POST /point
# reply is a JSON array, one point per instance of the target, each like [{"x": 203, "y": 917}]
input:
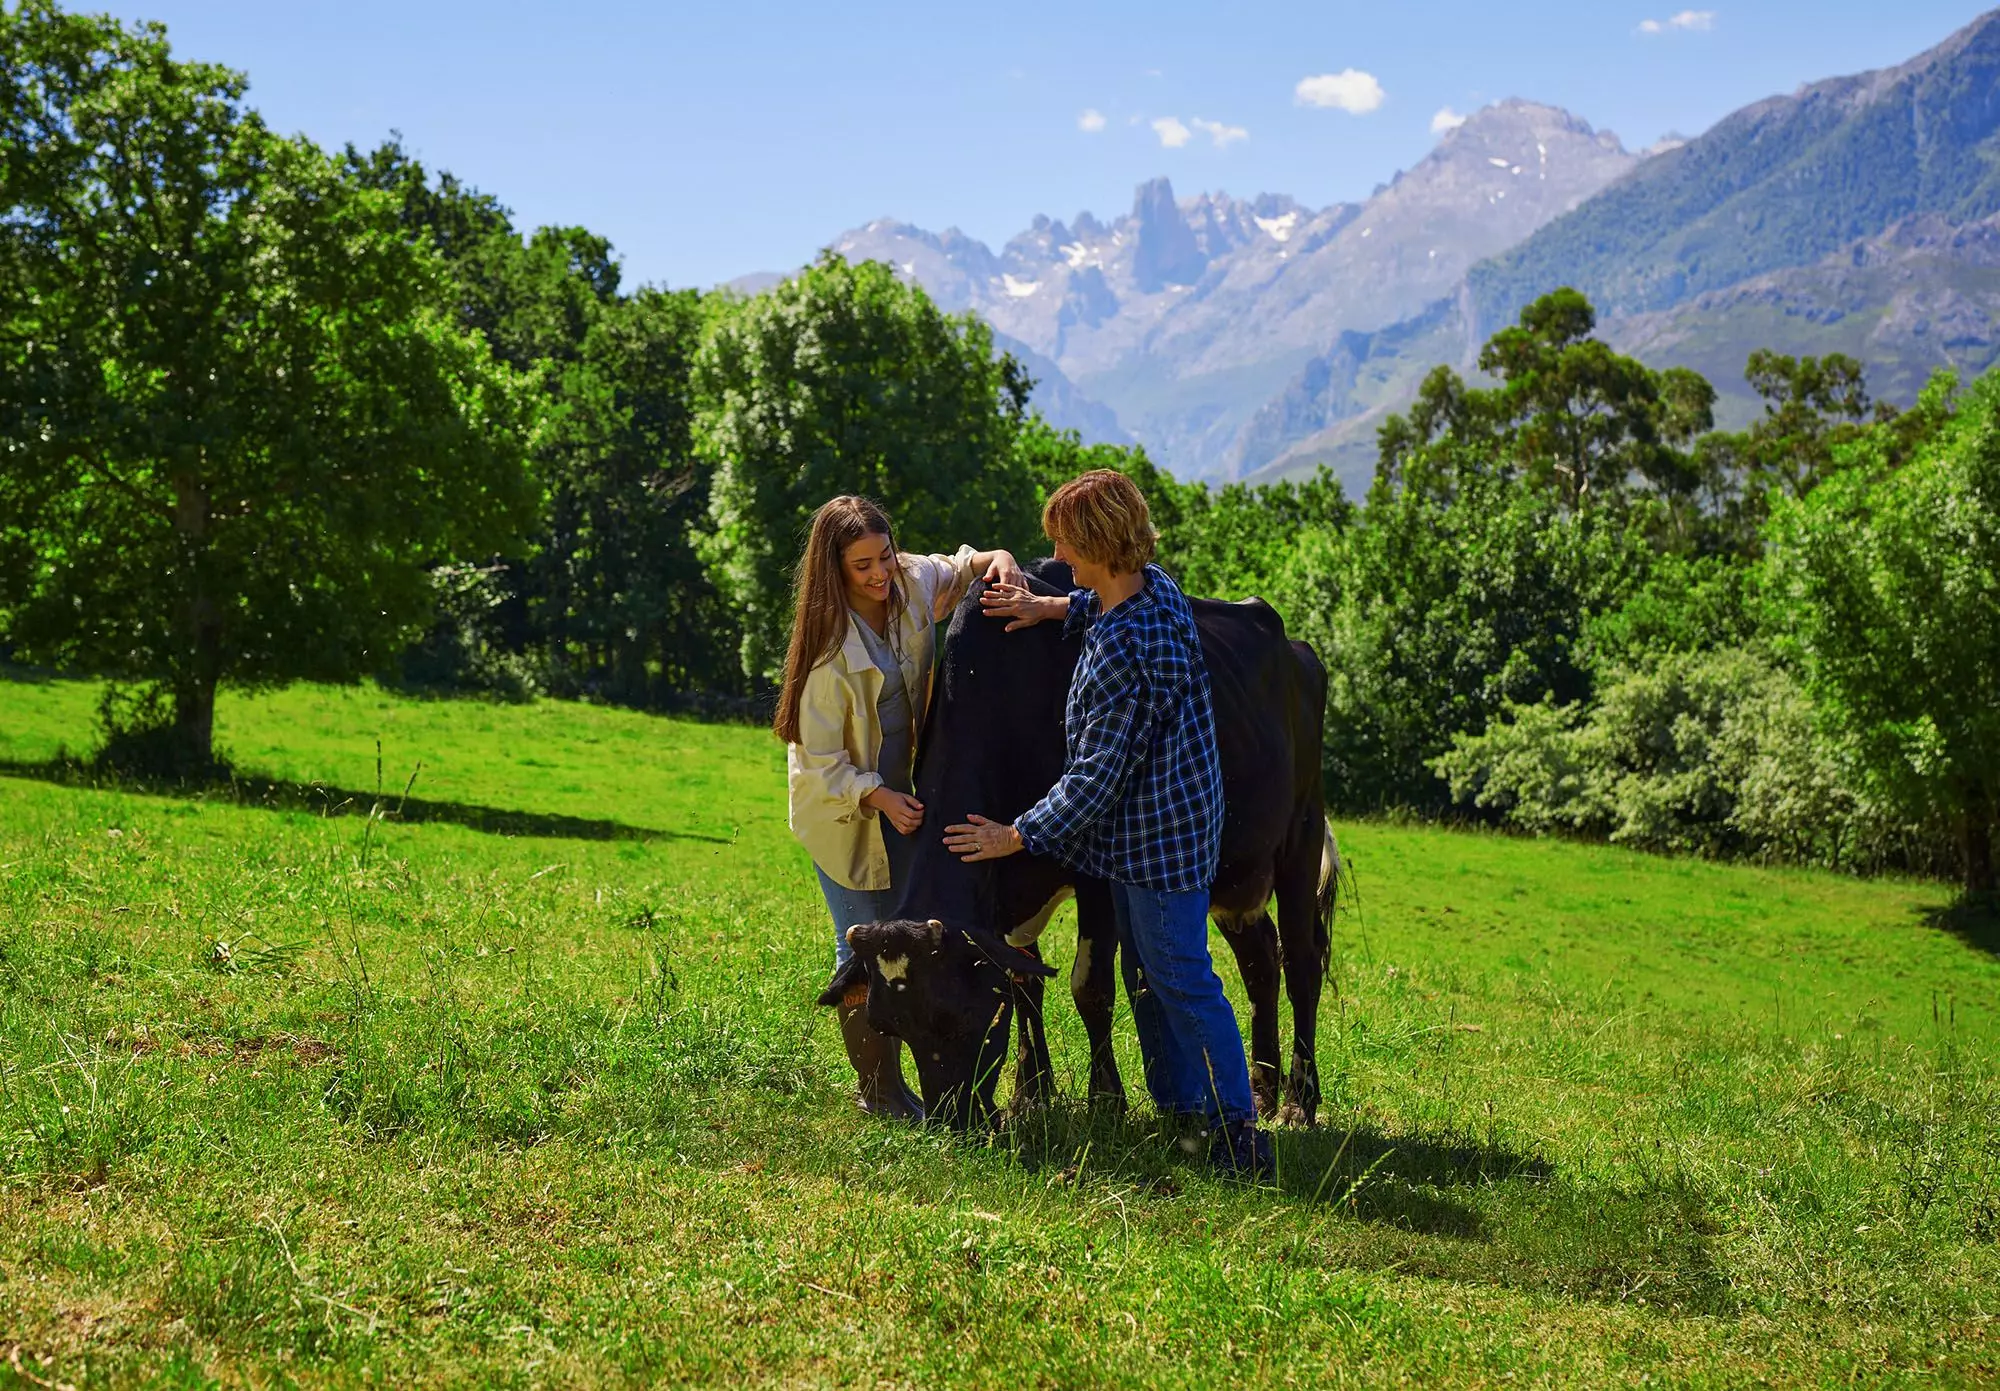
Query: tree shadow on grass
[
  {"x": 1974, "y": 921},
  {"x": 325, "y": 799}
]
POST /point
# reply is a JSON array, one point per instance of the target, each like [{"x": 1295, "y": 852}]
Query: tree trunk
[
  {"x": 194, "y": 685},
  {"x": 194, "y": 701},
  {"x": 194, "y": 726},
  {"x": 1976, "y": 841}
]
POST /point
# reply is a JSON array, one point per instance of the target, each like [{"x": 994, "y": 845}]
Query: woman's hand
[
  {"x": 905, "y": 812},
  {"x": 1002, "y": 568},
  {"x": 982, "y": 839},
  {"x": 1022, "y": 606}
]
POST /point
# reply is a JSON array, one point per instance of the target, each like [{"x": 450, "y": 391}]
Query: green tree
[
  {"x": 239, "y": 427},
  {"x": 846, "y": 380},
  {"x": 620, "y": 594},
  {"x": 1890, "y": 587},
  {"x": 1568, "y": 415},
  {"x": 1434, "y": 613}
]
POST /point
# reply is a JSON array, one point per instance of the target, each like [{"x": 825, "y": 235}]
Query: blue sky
[{"x": 711, "y": 140}]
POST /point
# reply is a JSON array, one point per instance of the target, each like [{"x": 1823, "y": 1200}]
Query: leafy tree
[
  {"x": 1569, "y": 415},
  {"x": 1710, "y": 752},
  {"x": 846, "y": 380},
  {"x": 1890, "y": 588},
  {"x": 620, "y": 594},
  {"x": 1682, "y": 604},
  {"x": 1432, "y": 614},
  {"x": 239, "y": 428},
  {"x": 609, "y": 595}
]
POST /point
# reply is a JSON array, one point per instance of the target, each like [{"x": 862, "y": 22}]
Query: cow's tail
[{"x": 1331, "y": 870}]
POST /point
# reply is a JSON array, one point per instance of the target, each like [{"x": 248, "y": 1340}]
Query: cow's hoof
[
  {"x": 1108, "y": 1103},
  {"x": 1267, "y": 1101},
  {"x": 1293, "y": 1116}
]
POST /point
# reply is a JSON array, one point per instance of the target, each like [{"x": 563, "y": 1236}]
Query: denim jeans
[
  {"x": 851, "y": 906},
  {"x": 1188, "y": 1034}
]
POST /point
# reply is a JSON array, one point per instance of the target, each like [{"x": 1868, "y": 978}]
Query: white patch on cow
[
  {"x": 1234, "y": 920},
  {"x": 1030, "y": 932},
  {"x": 1079, "y": 974},
  {"x": 893, "y": 967}
]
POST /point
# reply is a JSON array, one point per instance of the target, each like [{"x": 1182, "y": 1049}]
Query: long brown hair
[{"x": 819, "y": 597}]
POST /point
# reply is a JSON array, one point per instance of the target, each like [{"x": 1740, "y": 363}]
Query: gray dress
[{"x": 892, "y": 710}]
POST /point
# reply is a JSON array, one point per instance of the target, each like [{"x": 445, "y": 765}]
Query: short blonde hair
[{"x": 1103, "y": 517}]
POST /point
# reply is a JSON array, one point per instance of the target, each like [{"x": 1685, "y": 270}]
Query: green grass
[{"x": 527, "y": 1086}]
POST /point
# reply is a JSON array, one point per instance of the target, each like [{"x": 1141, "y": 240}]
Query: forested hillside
[{"x": 1784, "y": 182}]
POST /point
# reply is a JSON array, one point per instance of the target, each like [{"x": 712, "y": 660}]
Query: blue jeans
[
  {"x": 851, "y": 906},
  {"x": 1188, "y": 1035}
]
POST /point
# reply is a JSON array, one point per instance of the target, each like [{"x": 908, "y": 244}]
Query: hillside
[
  {"x": 1784, "y": 182},
  {"x": 1922, "y": 296},
  {"x": 526, "y": 1072},
  {"x": 1856, "y": 216}
]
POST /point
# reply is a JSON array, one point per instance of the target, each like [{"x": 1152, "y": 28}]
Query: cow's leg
[
  {"x": 1034, "y": 1073},
  {"x": 1306, "y": 882},
  {"x": 1093, "y": 984},
  {"x": 1254, "y": 939}
]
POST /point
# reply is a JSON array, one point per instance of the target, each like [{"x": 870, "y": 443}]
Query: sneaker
[{"x": 1243, "y": 1152}]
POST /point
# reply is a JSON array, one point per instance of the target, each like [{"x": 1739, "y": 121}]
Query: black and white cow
[{"x": 959, "y": 961}]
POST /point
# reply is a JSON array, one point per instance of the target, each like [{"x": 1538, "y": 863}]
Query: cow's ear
[
  {"x": 849, "y": 978},
  {"x": 1011, "y": 958}
]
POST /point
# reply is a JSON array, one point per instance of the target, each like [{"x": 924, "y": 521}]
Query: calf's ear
[
  {"x": 853, "y": 976},
  {"x": 1011, "y": 958}
]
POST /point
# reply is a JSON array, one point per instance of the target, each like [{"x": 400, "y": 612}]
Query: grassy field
[{"x": 525, "y": 1085}]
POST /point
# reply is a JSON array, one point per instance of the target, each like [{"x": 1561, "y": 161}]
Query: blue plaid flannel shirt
[{"x": 1140, "y": 799}]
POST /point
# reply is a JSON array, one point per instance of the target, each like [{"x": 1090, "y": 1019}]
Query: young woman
[{"x": 857, "y": 686}]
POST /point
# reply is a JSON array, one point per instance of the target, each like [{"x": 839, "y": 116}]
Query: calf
[{"x": 961, "y": 954}]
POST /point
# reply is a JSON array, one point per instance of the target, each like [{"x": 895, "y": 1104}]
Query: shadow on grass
[
  {"x": 1974, "y": 921},
  {"x": 1447, "y": 1206},
  {"x": 325, "y": 799}
]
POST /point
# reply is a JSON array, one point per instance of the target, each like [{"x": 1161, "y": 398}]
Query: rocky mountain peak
[{"x": 1167, "y": 251}]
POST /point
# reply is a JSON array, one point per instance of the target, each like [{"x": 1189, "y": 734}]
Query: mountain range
[{"x": 1259, "y": 338}]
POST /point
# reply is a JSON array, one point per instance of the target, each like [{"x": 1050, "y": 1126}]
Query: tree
[
  {"x": 846, "y": 380},
  {"x": 1569, "y": 415},
  {"x": 1432, "y": 614},
  {"x": 240, "y": 424},
  {"x": 1890, "y": 589},
  {"x": 1812, "y": 406},
  {"x": 620, "y": 594}
]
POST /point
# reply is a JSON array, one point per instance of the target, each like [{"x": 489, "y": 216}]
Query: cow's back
[{"x": 1261, "y": 721}]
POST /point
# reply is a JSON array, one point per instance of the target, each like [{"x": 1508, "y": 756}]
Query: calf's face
[{"x": 949, "y": 994}]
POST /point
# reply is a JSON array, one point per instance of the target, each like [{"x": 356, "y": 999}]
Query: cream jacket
[{"x": 832, "y": 766}]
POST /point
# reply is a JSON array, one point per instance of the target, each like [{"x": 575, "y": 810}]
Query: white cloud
[
  {"x": 1172, "y": 133},
  {"x": 1350, "y": 90},
  {"x": 1699, "y": 21},
  {"x": 1090, "y": 120},
  {"x": 1446, "y": 119},
  {"x": 1222, "y": 135}
]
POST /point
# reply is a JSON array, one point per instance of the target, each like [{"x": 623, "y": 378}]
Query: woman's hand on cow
[
  {"x": 981, "y": 839},
  {"x": 1021, "y": 606},
  {"x": 905, "y": 812},
  {"x": 1002, "y": 568}
]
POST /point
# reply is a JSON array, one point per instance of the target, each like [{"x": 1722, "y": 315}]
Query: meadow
[{"x": 465, "y": 1043}]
